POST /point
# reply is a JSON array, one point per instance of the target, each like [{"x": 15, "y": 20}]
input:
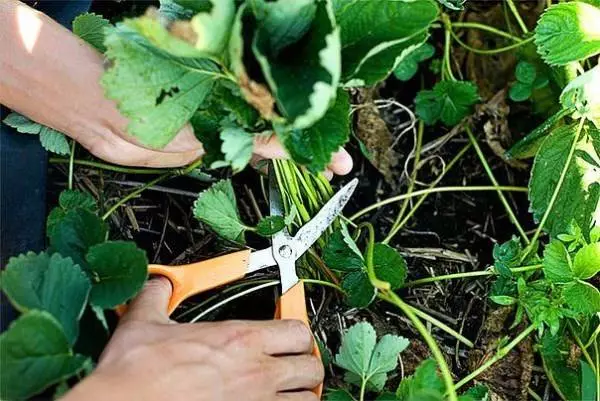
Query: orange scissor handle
[
  {"x": 292, "y": 305},
  {"x": 192, "y": 279}
]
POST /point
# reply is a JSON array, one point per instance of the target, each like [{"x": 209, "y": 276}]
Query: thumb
[{"x": 151, "y": 303}]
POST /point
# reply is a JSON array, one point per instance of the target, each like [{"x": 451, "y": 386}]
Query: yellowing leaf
[{"x": 568, "y": 32}]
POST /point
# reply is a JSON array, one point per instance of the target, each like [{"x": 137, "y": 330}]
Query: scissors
[{"x": 191, "y": 279}]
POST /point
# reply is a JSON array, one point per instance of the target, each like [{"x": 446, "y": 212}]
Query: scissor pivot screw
[{"x": 285, "y": 251}]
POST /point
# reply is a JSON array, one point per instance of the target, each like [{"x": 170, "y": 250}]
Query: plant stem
[
  {"x": 534, "y": 395},
  {"x": 323, "y": 283},
  {"x": 394, "y": 299},
  {"x": 491, "y": 51},
  {"x": 413, "y": 176},
  {"x": 584, "y": 351},
  {"x": 442, "y": 326},
  {"x": 110, "y": 167},
  {"x": 489, "y": 272},
  {"x": 483, "y": 27},
  {"x": 379, "y": 284},
  {"x": 513, "y": 9},
  {"x": 476, "y": 188},
  {"x": 424, "y": 196},
  {"x": 490, "y": 174},
  {"x": 71, "y": 158},
  {"x": 557, "y": 189},
  {"x": 363, "y": 387},
  {"x": 501, "y": 353},
  {"x": 447, "y": 43}
]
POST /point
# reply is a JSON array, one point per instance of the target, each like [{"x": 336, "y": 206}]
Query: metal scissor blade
[{"x": 311, "y": 231}]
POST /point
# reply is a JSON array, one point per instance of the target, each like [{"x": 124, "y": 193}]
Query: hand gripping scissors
[{"x": 192, "y": 279}]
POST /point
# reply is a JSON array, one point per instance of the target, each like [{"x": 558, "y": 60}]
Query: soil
[{"x": 451, "y": 232}]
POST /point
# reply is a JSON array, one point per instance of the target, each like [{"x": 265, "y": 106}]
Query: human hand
[
  {"x": 53, "y": 77},
  {"x": 152, "y": 358}
]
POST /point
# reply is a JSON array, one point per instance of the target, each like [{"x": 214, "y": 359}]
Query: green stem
[
  {"x": 363, "y": 387},
  {"x": 476, "y": 188},
  {"x": 593, "y": 337},
  {"x": 483, "y": 27},
  {"x": 454, "y": 276},
  {"x": 490, "y": 174},
  {"x": 394, "y": 299},
  {"x": 501, "y": 353},
  {"x": 413, "y": 176},
  {"x": 557, "y": 189},
  {"x": 149, "y": 184},
  {"x": 442, "y": 326},
  {"x": 379, "y": 284},
  {"x": 424, "y": 196},
  {"x": 323, "y": 283},
  {"x": 513, "y": 9},
  {"x": 109, "y": 167},
  {"x": 447, "y": 43},
  {"x": 71, "y": 168},
  {"x": 534, "y": 395},
  {"x": 491, "y": 51}
]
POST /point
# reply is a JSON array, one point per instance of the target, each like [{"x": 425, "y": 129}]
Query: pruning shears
[{"x": 191, "y": 279}]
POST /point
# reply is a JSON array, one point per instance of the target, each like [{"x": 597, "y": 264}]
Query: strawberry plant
[{"x": 240, "y": 71}]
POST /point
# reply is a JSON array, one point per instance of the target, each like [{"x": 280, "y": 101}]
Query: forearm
[{"x": 52, "y": 76}]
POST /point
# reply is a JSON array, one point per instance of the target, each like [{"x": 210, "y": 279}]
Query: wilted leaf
[
  {"x": 568, "y": 32},
  {"x": 35, "y": 354},
  {"x": 217, "y": 208},
  {"x": 118, "y": 270},
  {"x": 50, "y": 283}
]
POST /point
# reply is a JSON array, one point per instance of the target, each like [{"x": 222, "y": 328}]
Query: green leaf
[
  {"x": 75, "y": 233},
  {"x": 35, "y": 354},
  {"x": 363, "y": 358},
  {"x": 270, "y": 225},
  {"x": 449, "y": 102},
  {"x": 237, "y": 146},
  {"x": 407, "y": 68},
  {"x": 565, "y": 379},
  {"x": 314, "y": 61},
  {"x": 527, "y": 147},
  {"x": 196, "y": 5},
  {"x": 90, "y": 27},
  {"x": 119, "y": 270},
  {"x": 349, "y": 240},
  {"x": 377, "y": 35},
  {"x": 51, "y": 139},
  {"x": 568, "y": 32},
  {"x": 338, "y": 395},
  {"x": 174, "y": 11},
  {"x": 213, "y": 26},
  {"x": 589, "y": 381},
  {"x": 507, "y": 255},
  {"x": 206, "y": 124},
  {"x": 156, "y": 91},
  {"x": 386, "y": 396},
  {"x": 520, "y": 92},
  {"x": 580, "y": 191},
  {"x": 360, "y": 292},
  {"x": 68, "y": 200},
  {"x": 525, "y": 72},
  {"x": 582, "y": 95},
  {"x": 582, "y": 297},
  {"x": 217, "y": 208},
  {"x": 314, "y": 146},
  {"x": 587, "y": 261},
  {"x": 49, "y": 283},
  {"x": 504, "y": 300},
  {"x": 423, "y": 385},
  {"x": 22, "y": 124},
  {"x": 338, "y": 255},
  {"x": 557, "y": 263},
  {"x": 389, "y": 265},
  {"x": 283, "y": 22},
  {"x": 475, "y": 393},
  {"x": 54, "y": 141}
]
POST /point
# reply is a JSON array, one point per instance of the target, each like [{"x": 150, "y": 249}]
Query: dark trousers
[{"x": 23, "y": 167}]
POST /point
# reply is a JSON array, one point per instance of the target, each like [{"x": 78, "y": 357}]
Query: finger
[
  {"x": 298, "y": 372},
  {"x": 341, "y": 162},
  {"x": 269, "y": 147},
  {"x": 276, "y": 337},
  {"x": 114, "y": 149},
  {"x": 328, "y": 174},
  {"x": 151, "y": 303},
  {"x": 297, "y": 396}
]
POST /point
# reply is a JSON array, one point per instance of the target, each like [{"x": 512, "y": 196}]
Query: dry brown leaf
[{"x": 258, "y": 95}]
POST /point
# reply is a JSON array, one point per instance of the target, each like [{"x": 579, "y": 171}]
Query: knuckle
[{"x": 299, "y": 332}]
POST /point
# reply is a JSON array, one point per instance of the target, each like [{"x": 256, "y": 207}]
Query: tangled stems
[{"x": 490, "y": 174}]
